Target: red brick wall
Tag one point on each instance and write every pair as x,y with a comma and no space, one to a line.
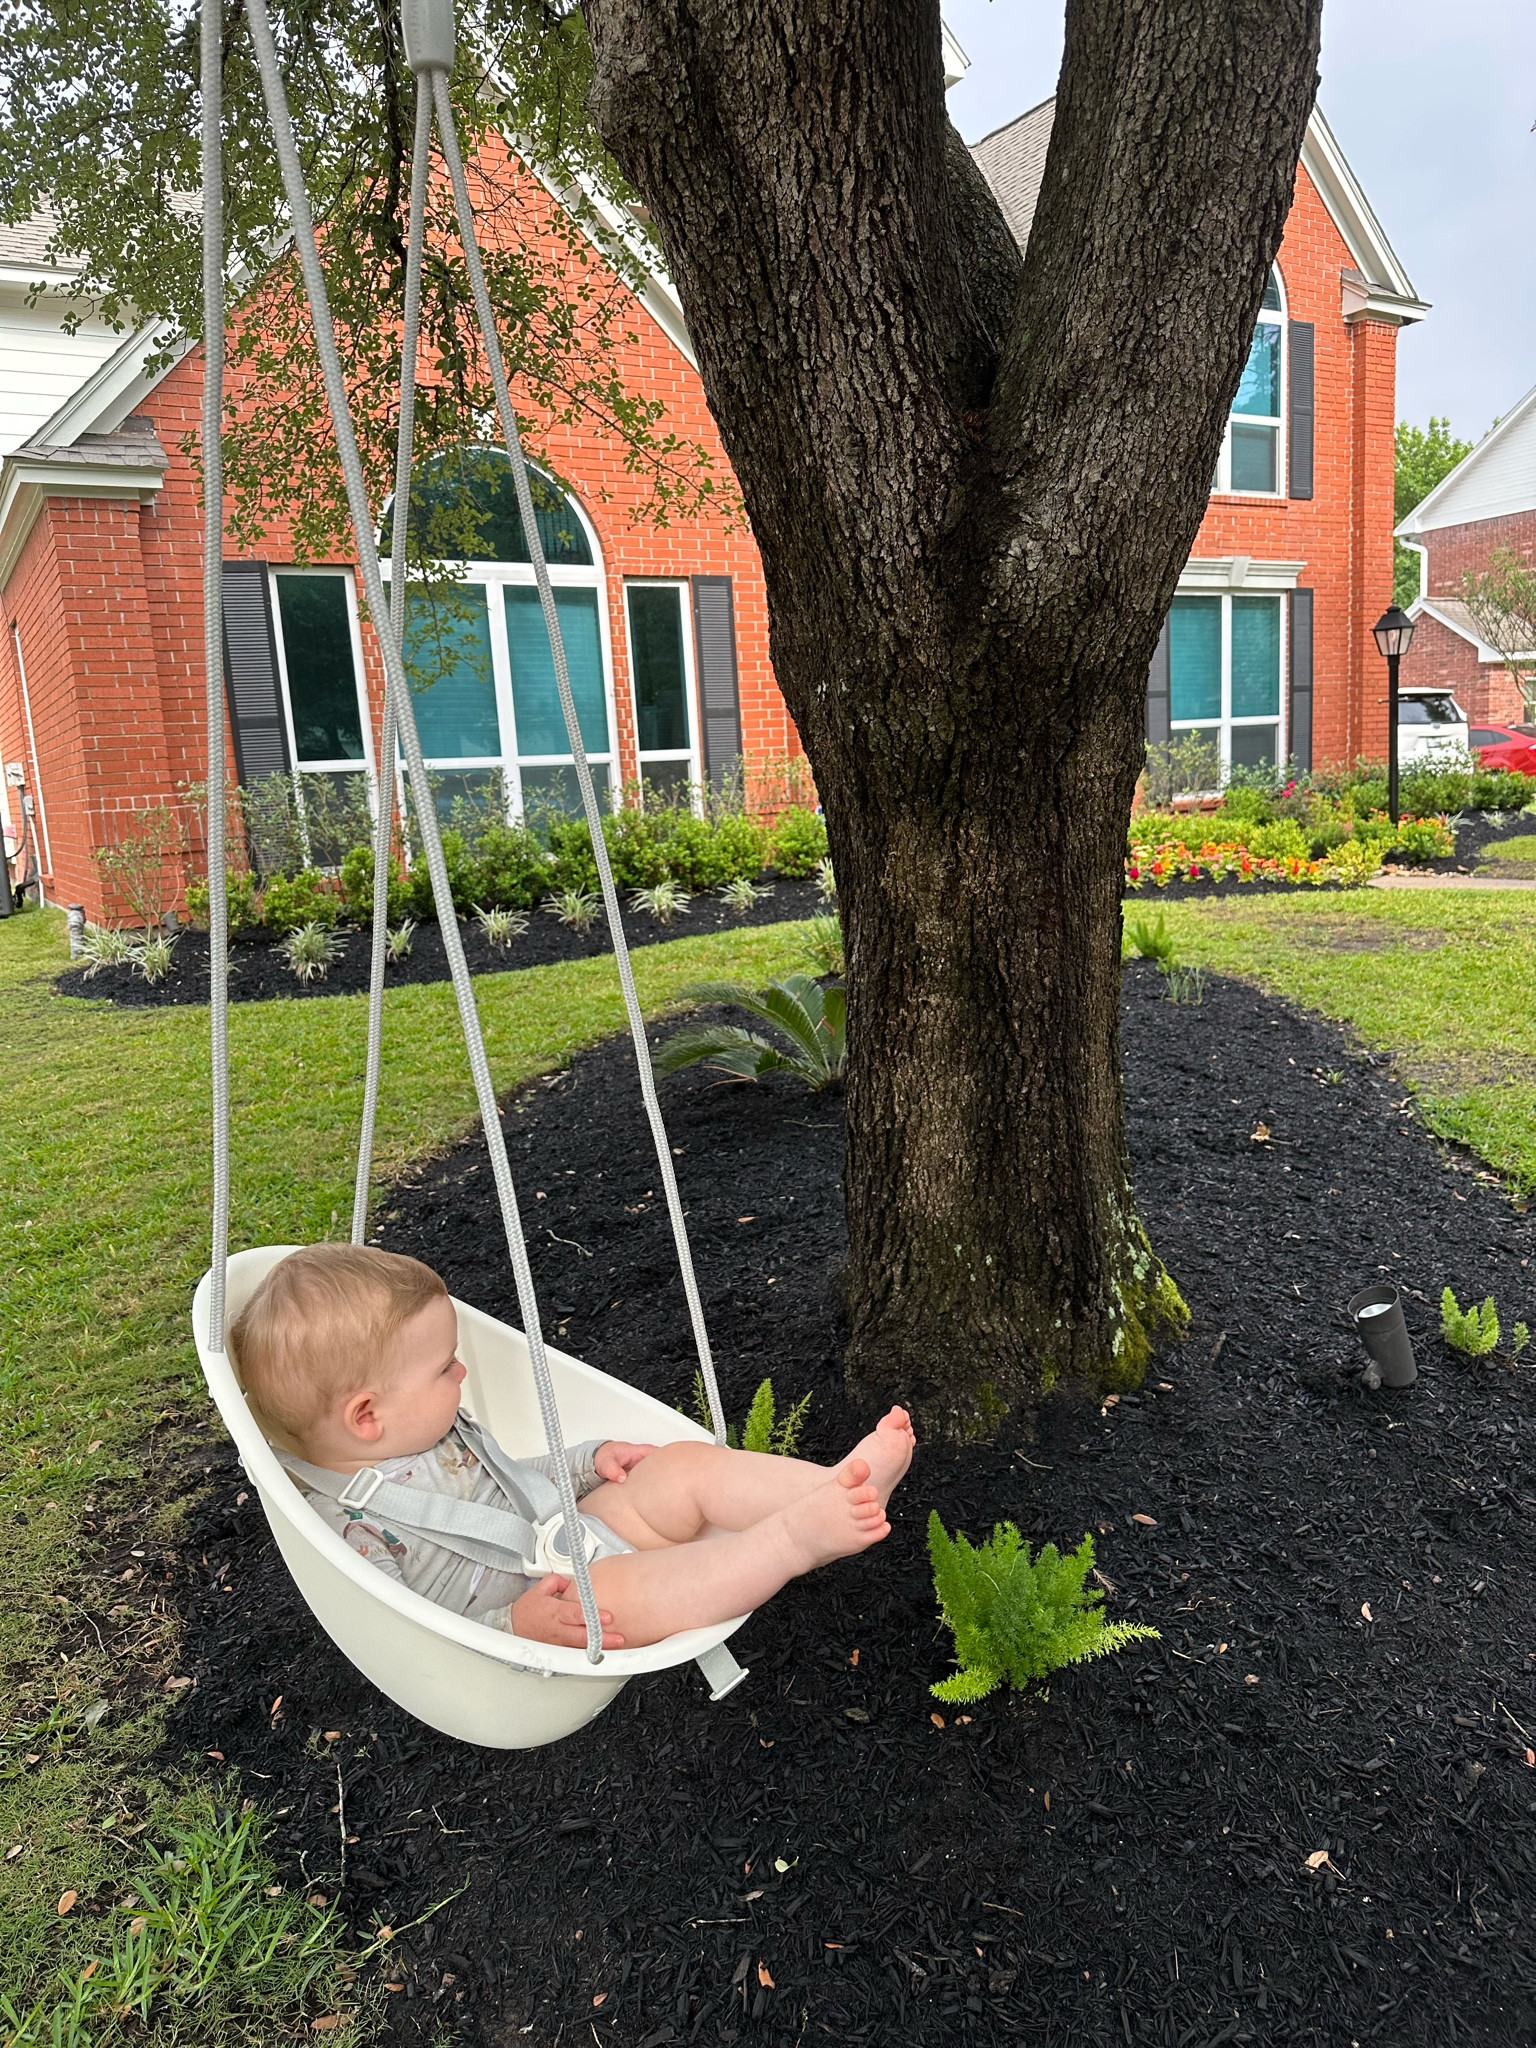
1486,689
1454,551
1343,533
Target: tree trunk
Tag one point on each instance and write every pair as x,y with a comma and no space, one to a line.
974,479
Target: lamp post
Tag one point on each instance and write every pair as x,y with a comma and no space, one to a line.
1394,636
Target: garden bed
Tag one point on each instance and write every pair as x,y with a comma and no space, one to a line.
1475,832
258,971
1341,1579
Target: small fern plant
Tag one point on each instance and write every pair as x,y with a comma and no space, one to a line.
763,1428
1015,1617
1472,1330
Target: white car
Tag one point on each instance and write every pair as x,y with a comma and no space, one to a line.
1430,722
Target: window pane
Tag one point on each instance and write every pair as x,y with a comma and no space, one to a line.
322,683
554,789
448,659
1194,657
665,780
1259,391
535,700
1253,458
1253,746
661,684
1272,293
1255,657
336,815
465,797
464,508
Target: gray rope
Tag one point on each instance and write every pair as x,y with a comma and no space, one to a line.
211,27
384,830
450,140
398,684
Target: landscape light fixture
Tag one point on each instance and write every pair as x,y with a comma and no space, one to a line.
1394,636
1377,1314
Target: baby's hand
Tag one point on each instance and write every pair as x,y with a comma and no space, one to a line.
615,1460
550,1612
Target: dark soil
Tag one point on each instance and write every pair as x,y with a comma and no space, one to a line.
258,971
1307,1814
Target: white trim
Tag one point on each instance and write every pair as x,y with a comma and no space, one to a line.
691,754
1419,521
112,391
1389,289
956,62
1225,723
1278,317
1202,575
27,484
1485,653
37,766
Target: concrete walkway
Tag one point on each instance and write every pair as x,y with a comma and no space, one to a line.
1479,882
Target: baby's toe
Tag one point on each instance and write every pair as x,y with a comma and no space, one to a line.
854,1472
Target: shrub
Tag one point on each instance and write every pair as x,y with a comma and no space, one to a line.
692,851
763,1429
1355,862
1423,839
239,899
665,900
1472,1330
741,846
1444,785
461,878
1151,939
813,1019
1282,839
822,947
305,898
1015,1617
1501,789
1180,767
310,950
799,841
575,908
510,868
573,866
141,865
635,841
357,887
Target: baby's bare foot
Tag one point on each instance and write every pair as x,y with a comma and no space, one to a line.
838,1519
886,1451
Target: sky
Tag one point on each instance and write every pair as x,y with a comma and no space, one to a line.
1432,102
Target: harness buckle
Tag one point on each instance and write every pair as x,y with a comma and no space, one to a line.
375,1478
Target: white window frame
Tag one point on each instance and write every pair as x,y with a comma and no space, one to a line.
691,753
1223,485
366,767
495,577
1225,723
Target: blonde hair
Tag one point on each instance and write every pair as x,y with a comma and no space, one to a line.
320,1327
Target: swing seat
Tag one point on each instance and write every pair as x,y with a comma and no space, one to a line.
465,1680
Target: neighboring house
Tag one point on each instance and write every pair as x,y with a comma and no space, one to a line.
1268,647
1486,504
101,691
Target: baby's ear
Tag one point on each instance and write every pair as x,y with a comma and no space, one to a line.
360,1415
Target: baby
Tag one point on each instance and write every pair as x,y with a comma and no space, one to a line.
348,1357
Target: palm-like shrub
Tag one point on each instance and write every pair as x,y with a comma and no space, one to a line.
1014,1617
812,1020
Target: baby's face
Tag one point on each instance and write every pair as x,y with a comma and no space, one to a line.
421,1401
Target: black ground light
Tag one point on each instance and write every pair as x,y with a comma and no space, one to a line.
1377,1314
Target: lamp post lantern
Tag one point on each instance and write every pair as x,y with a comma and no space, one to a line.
1394,636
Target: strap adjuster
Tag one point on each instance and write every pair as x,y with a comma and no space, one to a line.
375,1478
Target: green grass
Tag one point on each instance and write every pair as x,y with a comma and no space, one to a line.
1442,981
1514,858
103,1235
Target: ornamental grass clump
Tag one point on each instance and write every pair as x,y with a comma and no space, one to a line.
1014,1617
154,955
576,909
397,940
500,924
310,951
741,893
664,900
106,945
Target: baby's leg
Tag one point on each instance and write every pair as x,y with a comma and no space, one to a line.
682,1489
656,1592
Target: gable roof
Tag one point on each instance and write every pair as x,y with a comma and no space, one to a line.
1012,160
1457,614
1497,478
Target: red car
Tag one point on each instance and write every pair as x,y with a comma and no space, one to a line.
1505,746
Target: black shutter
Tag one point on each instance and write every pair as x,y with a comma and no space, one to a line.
250,674
1159,729
714,639
1301,678
1302,338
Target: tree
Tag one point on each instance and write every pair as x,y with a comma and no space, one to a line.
974,479
1502,601
1425,457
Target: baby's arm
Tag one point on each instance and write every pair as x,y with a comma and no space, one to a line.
594,1461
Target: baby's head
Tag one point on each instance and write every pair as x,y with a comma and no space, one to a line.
348,1354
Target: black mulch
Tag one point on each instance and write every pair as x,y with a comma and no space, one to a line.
258,971
1342,1580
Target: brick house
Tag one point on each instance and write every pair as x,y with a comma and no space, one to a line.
1487,503
1268,647
1268,650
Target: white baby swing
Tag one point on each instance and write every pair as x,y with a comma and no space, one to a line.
460,1677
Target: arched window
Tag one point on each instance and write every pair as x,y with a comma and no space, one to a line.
1251,461
476,645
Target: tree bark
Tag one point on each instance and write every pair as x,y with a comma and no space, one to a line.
973,479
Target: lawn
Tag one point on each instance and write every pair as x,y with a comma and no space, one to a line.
1444,983
103,1230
